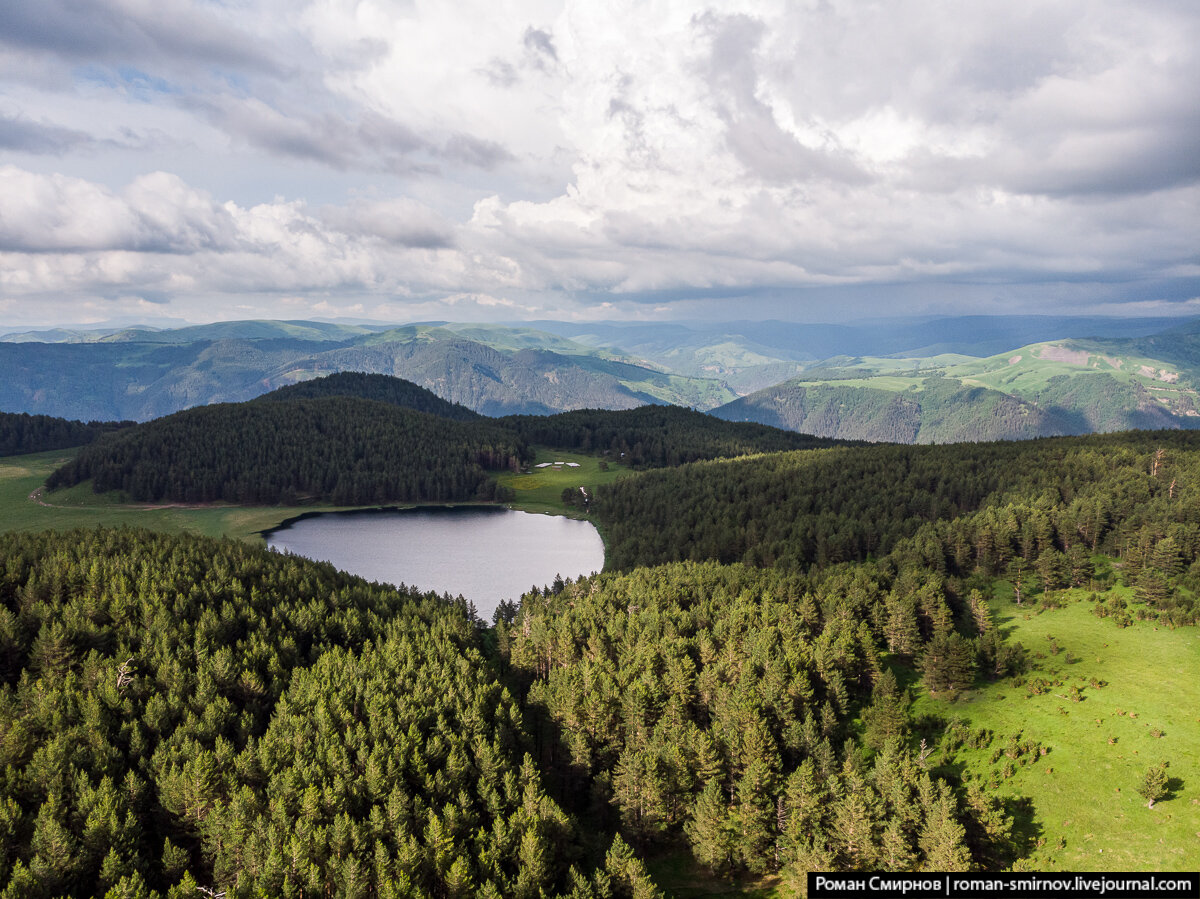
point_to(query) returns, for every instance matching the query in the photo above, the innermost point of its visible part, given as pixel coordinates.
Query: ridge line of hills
(834, 381)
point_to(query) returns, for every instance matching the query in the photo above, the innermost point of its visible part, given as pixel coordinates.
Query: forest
(340, 449)
(182, 716)
(657, 436)
(1034, 510)
(22, 433)
(380, 388)
(355, 439)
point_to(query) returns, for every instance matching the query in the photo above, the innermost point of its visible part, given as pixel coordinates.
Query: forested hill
(939, 411)
(354, 439)
(1039, 507)
(381, 388)
(184, 717)
(22, 433)
(657, 436)
(342, 449)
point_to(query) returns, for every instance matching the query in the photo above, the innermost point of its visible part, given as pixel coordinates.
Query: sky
(198, 160)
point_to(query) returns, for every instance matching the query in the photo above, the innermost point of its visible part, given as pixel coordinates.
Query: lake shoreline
(484, 552)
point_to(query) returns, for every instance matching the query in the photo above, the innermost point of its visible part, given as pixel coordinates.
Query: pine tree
(754, 817)
(948, 664)
(1154, 784)
(887, 715)
(981, 615)
(710, 830)
(941, 837)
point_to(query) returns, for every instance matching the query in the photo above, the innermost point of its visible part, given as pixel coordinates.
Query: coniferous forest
(342, 449)
(23, 433)
(359, 439)
(181, 714)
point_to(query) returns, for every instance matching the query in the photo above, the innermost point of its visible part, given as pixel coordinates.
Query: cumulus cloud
(553, 152)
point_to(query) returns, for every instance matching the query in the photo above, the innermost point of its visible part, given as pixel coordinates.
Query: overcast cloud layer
(200, 159)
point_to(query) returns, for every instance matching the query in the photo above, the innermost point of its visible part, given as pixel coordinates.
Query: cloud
(117, 30)
(24, 136)
(156, 213)
(399, 222)
(561, 153)
(540, 44)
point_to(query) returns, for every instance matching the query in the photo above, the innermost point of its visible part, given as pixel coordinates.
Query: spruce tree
(711, 830)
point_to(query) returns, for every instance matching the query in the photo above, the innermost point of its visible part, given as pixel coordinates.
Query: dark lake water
(484, 553)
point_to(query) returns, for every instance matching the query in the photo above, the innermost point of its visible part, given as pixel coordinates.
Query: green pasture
(1031, 373)
(21, 476)
(894, 383)
(540, 489)
(1086, 811)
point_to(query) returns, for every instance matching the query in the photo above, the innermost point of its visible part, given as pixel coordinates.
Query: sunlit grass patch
(1108, 704)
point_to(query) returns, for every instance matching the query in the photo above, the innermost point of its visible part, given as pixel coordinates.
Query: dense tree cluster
(715, 705)
(342, 449)
(381, 388)
(23, 433)
(1033, 511)
(178, 713)
(355, 439)
(656, 436)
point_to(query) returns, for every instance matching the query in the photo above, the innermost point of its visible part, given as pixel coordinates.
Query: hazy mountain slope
(140, 380)
(1052, 388)
(937, 412)
(752, 355)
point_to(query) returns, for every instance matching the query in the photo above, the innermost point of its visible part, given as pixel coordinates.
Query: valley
(803, 653)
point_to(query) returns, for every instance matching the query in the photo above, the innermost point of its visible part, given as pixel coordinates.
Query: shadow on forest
(1026, 830)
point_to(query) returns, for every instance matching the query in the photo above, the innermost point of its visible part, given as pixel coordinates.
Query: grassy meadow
(22, 476)
(540, 489)
(1132, 682)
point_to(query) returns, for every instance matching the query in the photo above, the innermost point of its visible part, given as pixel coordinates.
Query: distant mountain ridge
(845, 381)
(142, 375)
(1053, 388)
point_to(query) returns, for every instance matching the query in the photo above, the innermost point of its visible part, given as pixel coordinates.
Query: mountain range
(904, 380)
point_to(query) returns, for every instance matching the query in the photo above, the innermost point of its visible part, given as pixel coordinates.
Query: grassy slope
(1020, 372)
(79, 507)
(1085, 790)
(1035, 364)
(540, 491)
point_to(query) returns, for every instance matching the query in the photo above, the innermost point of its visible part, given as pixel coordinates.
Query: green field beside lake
(21, 476)
(539, 490)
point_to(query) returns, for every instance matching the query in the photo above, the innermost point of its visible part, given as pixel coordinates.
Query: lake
(486, 554)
